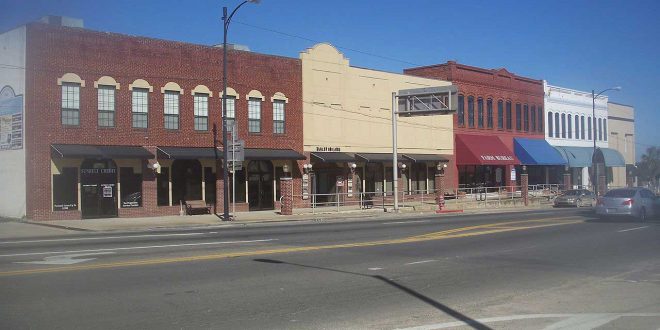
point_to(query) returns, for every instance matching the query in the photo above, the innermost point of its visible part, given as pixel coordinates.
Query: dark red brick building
(495, 109)
(119, 125)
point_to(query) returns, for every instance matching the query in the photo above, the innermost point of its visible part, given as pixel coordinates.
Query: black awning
(91, 151)
(188, 153)
(376, 158)
(273, 154)
(420, 158)
(333, 157)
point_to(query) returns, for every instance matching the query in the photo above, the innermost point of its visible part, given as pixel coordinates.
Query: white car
(636, 202)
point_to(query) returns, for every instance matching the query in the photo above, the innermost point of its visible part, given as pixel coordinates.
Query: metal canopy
(333, 157)
(92, 151)
(273, 154)
(376, 158)
(188, 153)
(421, 158)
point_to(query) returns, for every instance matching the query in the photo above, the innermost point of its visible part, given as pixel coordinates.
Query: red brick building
(497, 112)
(118, 125)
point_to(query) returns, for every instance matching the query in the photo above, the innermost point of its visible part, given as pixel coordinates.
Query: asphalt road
(558, 269)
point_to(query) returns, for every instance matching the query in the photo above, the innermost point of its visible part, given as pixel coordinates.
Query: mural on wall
(11, 119)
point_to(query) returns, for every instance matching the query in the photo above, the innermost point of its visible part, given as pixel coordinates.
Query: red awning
(483, 150)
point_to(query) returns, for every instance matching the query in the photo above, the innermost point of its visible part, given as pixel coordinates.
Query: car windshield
(572, 193)
(621, 193)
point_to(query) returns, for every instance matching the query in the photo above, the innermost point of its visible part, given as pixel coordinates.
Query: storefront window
(131, 187)
(209, 185)
(65, 189)
(240, 187)
(163, 189)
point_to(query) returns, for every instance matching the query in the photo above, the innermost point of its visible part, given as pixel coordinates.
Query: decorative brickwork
(286, 188)
(524, 182)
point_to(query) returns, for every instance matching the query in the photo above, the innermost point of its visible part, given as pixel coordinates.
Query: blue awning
(536, 152)
(613, 158)
(576, 156)
(581, 156)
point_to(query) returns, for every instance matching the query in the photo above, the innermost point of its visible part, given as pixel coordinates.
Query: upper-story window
(526, 117)
(563, 125)
(589, 128)
(500, 114)
(533, 118)
(460, 113)
(140, 105)
(570, 127)
(231, 111)
(140, 90)
(600, 129)
(480, 112)
(540, 126)
(471, 111)
(106, 106)
(584, 136)
(557, 125)
(489, 113)
(278, 116)
(550, 124)
(171, 93)
(605, 129)
(171, 110)
(71, 104)
(577, 127)
(254, 115)
(518, 117)
(201, 111)
(509, 116)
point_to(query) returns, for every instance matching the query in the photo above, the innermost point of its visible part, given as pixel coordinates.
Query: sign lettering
(328, 149)
(496, 157)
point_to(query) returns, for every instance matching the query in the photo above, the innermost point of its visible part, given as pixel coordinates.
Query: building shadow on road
(437, 305)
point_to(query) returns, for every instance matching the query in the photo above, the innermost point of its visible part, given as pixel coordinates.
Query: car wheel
(578, 203)
(642, 214)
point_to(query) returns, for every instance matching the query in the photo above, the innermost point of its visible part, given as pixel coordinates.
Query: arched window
(489, 113)
(550, 124)
(526, 117)
(605, 129)
(480, 112)
(533, 118)
(540, 120)
(570, 127)
(584, 136)
(471, 111)
(563, 125)
(509, 117)
(460, 113)
(589, 131)
(500, 114)
(557, 124)
(518, 117)
(577, 127)
(600, 129)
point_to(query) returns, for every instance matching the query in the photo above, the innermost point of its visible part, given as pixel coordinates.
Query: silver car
(575, 197)
(636, 202)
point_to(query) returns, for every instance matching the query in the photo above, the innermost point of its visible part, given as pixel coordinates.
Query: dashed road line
(420, 262)
(625, 230)
(100, 238)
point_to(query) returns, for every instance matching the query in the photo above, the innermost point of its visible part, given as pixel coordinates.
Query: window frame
(500, 114)
(136, 116)
(480, 112)
(106, 105)
(526, 118)
(201, 100)
(460, 112)
(70, 89)
(471, 111)
(532, 117)
(518, 117)
(283, 116)
(550, 125)
(509, 116)
(251, 112)
(176, 107)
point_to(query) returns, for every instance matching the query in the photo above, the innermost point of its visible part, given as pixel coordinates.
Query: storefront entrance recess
(98, 180)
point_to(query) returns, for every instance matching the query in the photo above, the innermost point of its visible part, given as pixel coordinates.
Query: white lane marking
(101, 238)
(527, 317)
(399, 222)
(621, 231)
(136, 248)
(67, 259)
(583, 322)
(420, 262)
(374, 268)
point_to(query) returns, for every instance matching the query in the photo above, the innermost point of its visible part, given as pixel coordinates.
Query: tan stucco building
(621, 120)
(347, 115)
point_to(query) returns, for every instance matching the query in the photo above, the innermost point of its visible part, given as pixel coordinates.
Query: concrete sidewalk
(16, 229)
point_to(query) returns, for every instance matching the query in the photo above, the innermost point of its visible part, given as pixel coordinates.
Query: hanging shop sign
(305, 186)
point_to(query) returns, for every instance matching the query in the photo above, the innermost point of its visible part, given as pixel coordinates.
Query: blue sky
(576, 44)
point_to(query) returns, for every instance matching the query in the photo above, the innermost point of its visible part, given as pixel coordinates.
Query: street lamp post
(225, 151)
(595, 131)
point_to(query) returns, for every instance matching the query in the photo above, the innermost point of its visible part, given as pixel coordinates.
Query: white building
(571, 128)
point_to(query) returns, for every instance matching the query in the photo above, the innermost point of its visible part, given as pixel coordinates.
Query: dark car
(576, 198)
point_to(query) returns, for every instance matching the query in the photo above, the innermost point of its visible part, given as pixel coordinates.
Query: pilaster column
(286, 189)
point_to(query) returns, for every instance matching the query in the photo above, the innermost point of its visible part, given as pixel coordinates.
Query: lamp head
(617, 88)
(256, 2)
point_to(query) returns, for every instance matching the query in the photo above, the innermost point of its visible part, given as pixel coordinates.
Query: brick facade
(53, 51)
(494, 84)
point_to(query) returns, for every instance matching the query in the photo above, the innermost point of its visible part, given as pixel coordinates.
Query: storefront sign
(129, 204)
(498, 157)
(340, 181)
(107, 190)
(98, 170)
(513, 174)
(350, 187)
(305, 186)
(65, 207)
(328, 149)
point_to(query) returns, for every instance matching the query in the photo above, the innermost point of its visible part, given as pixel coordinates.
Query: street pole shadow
(437, 305)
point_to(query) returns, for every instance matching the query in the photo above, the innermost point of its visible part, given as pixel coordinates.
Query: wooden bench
(199, 206)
